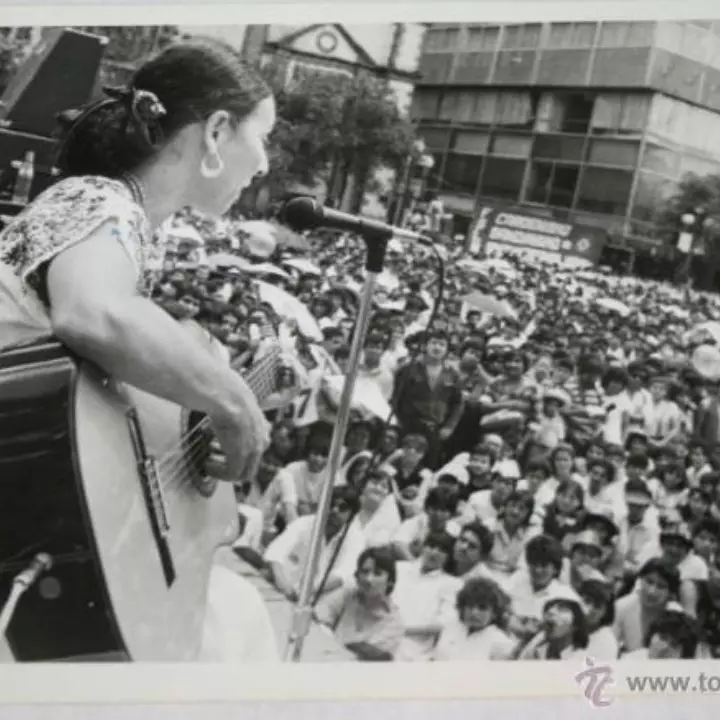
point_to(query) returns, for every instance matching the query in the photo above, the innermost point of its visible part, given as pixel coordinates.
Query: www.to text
(700, 683)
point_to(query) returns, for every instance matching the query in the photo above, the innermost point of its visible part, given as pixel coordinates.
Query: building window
(605, 191)
(441, 39)
(627, 34)
(572, 35)
(512, 145)
(461, 173)
(449, 105)
(614, 152)
(514, 109)
(552, 184)
(503, 178)
(483, 38)
(620, 113)
(521, 37)
(471, 143)
(485, 108)
(559, 147)
(435, 138)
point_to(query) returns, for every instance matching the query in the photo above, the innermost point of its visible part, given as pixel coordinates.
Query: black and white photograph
(345, 343)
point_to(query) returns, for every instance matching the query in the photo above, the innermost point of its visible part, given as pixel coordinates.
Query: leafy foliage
(132, 43)
(327, 119)
(15, 44)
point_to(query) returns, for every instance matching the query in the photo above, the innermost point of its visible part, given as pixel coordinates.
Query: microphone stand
(376, 240)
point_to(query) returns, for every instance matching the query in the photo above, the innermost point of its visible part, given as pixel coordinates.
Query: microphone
(41, 563)
(304, 213)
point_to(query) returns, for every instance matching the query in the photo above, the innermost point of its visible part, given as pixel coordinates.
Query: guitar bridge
(154, 499)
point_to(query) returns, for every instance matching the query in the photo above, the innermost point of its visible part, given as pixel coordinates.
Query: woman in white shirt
(597, 597)
(662, 416)
(477, 632)
(378, 518)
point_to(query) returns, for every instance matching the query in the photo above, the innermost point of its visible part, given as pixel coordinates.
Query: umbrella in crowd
(489, 304)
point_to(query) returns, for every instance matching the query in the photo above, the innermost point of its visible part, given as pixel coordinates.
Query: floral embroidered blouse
(62, 216)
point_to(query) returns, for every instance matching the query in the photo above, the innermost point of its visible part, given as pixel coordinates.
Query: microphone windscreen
(301, 214)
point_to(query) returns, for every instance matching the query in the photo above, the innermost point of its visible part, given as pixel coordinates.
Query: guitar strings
(170, 461)
(173, 464)
(179, 471)
(262, 365)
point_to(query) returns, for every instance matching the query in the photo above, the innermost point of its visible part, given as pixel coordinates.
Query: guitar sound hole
(197, 453)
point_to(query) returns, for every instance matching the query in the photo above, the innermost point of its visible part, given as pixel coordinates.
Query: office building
(585, 122)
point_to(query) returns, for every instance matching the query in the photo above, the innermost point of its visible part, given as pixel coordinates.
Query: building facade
(587, 122)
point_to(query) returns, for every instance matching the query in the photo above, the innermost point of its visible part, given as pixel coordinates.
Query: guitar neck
(262, 376)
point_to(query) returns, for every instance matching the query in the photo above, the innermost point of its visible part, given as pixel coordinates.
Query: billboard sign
(499, 230)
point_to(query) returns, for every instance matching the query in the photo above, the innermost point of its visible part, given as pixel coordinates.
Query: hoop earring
(212, 172)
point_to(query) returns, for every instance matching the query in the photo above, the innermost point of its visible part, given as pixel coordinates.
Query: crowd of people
(547, 485)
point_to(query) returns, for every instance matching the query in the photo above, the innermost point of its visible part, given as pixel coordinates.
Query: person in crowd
(511, 533)
(425, 594)
(377, 517)
(437, 516)
(477, 632)
(472, 551)
(564, 634)
(672, 636)
(286, 556)
(428, 397)
(658, 587)
(598, 599)
(363, 615)
(530, 587)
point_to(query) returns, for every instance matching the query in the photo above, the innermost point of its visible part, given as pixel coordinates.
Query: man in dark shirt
(428, 397)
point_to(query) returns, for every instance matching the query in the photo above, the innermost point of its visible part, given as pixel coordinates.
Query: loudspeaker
(60, 73)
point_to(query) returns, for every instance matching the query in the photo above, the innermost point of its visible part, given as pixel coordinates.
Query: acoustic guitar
(111, 483)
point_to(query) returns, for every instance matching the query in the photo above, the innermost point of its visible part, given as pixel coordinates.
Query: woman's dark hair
(580, 635)
(607, 466)
(384, 561)
(355, 464)
(561, 447)
(544, 550)
(441, 498)
(347, 497)
(483, 534)
(484, 593)
(658, 566)
(679, 629)
(191, 80)
(520, 497)
(483, 449)
(572, 486)
(440, 540)
(599, 593)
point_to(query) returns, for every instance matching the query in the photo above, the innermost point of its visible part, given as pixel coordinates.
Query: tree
(332, 124)
(693, 193)
(15, 44)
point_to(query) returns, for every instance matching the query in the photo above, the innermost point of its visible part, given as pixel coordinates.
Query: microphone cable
(386, 423)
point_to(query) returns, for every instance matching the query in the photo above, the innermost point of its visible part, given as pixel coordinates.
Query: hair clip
(143, 111)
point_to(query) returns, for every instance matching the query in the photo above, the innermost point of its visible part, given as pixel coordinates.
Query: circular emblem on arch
(326, 42)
